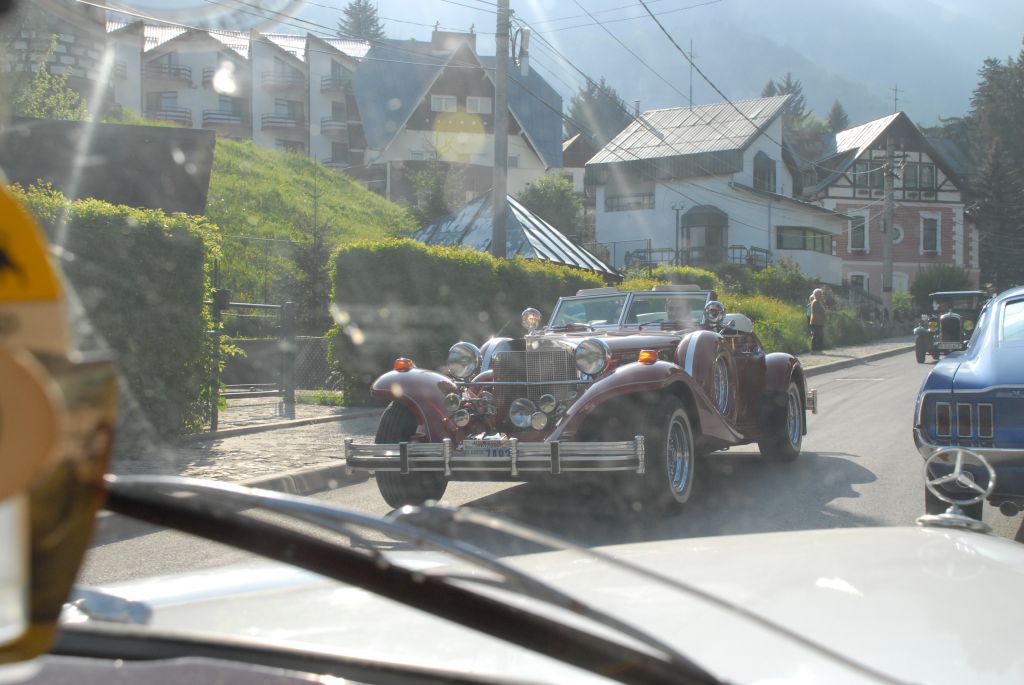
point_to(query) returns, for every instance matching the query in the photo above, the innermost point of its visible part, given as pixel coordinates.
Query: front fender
(422, 392)
(637, 378)
(781, 368)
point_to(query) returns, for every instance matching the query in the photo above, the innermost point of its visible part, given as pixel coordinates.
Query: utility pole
(500, 192)
(887, 224)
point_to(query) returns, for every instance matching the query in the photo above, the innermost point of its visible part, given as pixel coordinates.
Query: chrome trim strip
(531, 383)
(514, 465)
(641, 461)
(691, 351)
(446, 453)
(968, 391)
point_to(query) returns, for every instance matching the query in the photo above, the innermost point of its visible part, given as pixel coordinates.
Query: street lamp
(678, 207)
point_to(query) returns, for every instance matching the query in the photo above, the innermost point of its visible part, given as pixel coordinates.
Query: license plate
(487, 449)
(949, 345)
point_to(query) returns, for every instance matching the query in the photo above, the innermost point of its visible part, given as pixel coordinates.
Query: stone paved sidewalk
(810, 360)
(242, 457)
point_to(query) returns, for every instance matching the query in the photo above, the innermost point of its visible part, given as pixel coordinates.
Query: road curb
(308, 480)
(853, 361)
(276, 425)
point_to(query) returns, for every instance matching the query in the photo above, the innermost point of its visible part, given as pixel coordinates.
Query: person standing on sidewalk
(818, 316)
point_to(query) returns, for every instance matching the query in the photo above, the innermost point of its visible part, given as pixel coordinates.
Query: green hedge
(400, 298)
(141, 277)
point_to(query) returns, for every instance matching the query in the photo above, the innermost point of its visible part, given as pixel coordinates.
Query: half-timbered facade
(929, 224)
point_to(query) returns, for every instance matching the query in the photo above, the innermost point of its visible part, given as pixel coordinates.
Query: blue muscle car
(975, 399)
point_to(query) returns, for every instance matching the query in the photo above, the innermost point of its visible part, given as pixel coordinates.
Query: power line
(621, 19)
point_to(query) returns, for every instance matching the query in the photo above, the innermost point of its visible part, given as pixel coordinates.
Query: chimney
(636, 108)
(447, 41)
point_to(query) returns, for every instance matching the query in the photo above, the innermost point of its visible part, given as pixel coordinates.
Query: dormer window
(764, 173)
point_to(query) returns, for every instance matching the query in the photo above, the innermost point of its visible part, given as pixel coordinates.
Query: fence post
(288, 358)
(221, 297)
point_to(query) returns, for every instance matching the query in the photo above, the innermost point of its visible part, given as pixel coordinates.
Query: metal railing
(332, 126)
(703, 255)
(333, 83)
(283, 79)
(208, 74)
(215, 117)
(337, 164)
(179, 115)
(173, 72)
(281, 121)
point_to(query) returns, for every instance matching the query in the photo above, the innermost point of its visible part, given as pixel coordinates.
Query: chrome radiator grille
(949, 329)
(532, 366)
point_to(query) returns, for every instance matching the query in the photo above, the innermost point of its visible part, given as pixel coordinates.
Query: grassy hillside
(264, 203)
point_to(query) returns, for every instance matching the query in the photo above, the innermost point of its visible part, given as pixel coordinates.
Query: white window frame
(865, 275)
(513, 162)
(867, 233)
(417, 155)
(900, 276)
(478, 105)
(440, 103)
(937, 216)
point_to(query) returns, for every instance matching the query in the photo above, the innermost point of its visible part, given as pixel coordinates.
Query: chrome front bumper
(523, 457)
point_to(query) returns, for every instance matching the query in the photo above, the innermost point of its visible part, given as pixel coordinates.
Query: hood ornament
(954, 517)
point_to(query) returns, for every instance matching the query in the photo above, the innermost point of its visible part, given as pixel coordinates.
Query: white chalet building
(709, 185)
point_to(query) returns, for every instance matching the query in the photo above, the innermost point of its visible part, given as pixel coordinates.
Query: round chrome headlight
(547, 403)
(463, 360)
(593, 356)
(531, 319)
(521, 413)
(461, 418)
(933, 326)
(538, 421)
(968, 325)
(714, 312)
(452, 402)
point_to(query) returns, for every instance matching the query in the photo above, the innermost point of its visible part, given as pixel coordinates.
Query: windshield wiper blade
(211, 511)
(571, 325)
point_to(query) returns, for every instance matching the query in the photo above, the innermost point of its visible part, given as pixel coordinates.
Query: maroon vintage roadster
(639, 383)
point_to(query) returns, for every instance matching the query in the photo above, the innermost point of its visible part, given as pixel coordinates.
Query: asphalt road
(858, 468)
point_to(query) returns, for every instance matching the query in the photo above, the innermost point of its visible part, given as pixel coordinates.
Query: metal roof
(682, 131)
(158, 34)
(528, 235)
(861, 137)
(395, 76)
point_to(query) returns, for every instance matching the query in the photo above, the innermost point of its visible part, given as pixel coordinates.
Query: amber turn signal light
(647, 356)
(403, 364)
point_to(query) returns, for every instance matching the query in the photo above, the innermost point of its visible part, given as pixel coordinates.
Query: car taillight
(943, 419)
(964, 420)
(986, 427)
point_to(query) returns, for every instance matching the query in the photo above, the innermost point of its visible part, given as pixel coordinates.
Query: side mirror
(57, 416)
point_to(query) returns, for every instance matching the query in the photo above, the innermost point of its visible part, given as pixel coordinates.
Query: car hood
(921, 605)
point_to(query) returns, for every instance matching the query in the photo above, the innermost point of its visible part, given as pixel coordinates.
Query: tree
(770, 90)
(796, 108)
(599, 111)
(936, 278)
(838, 120)
(48, 96)
(553, 199)
(361, 21)
(437, 188)
(998, 214)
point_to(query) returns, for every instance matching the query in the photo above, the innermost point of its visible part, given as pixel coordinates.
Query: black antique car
(950, 324)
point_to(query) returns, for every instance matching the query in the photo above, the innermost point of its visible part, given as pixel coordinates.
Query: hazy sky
(857, 48)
